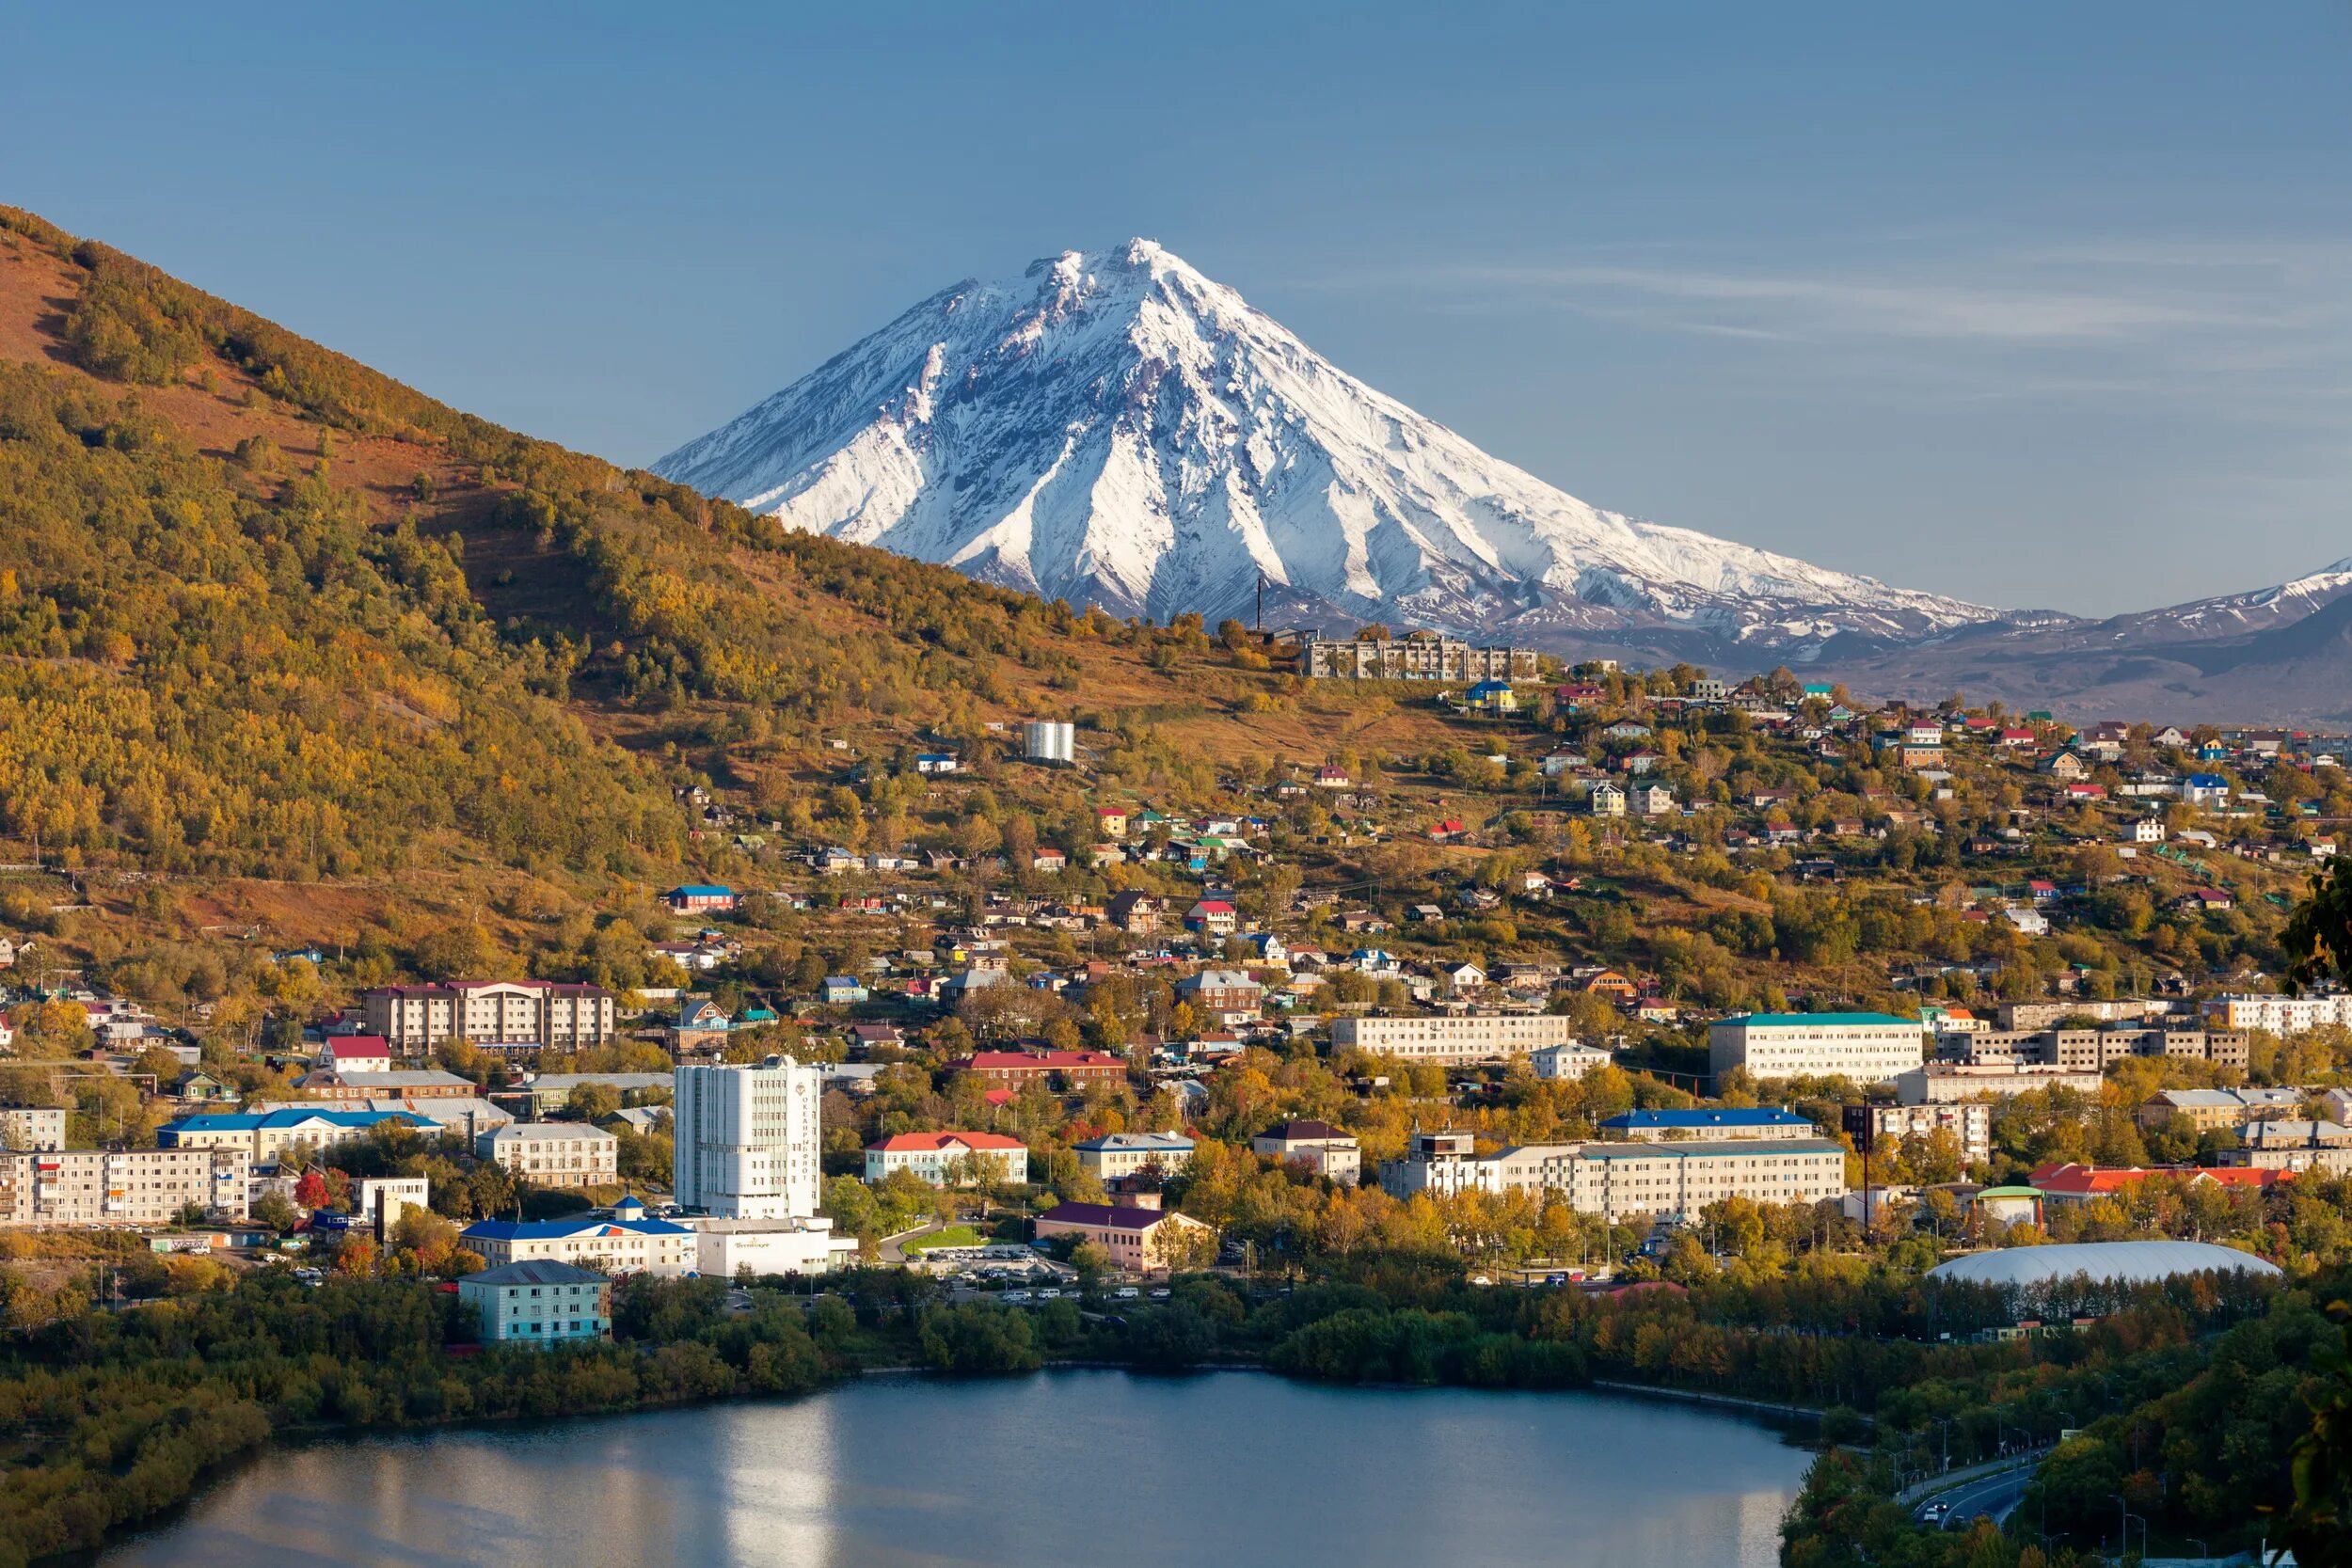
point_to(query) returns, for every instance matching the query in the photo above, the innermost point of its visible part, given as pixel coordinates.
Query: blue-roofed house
(262, 1136)
(844, 991)
(1493, 697)
(1706, 1125)
(2206, 789)
(611, 1244)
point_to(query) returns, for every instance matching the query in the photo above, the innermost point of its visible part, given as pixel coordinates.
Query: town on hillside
(1633, 965)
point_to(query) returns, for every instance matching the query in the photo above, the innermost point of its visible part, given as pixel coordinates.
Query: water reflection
(1071, 1469)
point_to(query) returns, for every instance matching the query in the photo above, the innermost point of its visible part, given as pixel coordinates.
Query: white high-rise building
(746, 1141)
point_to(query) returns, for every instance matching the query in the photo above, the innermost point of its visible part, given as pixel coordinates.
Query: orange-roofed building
(2067, 1182)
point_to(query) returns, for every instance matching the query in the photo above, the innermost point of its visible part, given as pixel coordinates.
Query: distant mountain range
(1113, 427)
(2280, 656)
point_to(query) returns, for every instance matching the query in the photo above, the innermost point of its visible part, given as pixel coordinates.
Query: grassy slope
(697, 639)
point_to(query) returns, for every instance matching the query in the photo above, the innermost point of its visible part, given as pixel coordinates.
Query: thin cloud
(1800, 306)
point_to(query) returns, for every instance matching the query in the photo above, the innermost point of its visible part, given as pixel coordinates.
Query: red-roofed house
(1135, 1238)
(1213, 917)
(357, 1053)
(948, 1159)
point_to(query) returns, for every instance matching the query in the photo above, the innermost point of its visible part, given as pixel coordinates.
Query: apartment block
(1970, 1121)
(32, 1127)
(1868, 1048)
(1452, 1037)
(2279, 1015)
(92, 1187)
(554, 1153)
(500, 1015)
(1419, 656)
(1629, 1180)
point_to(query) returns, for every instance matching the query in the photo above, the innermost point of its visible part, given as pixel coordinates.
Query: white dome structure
(2109, 1262)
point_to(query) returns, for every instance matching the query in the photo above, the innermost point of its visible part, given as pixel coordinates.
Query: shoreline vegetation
(111, 1419)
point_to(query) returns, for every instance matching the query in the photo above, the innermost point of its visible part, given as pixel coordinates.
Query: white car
(1126, 1292)
(1051, 1292)
(1016, 1295)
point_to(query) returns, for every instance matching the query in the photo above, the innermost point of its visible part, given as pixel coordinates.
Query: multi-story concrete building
(264, 1136)
(31, 1127)
(1136, 1239)
(1969, 1121)
(1943, 1082)
(616, 1244)
(539, 1303)
(554, 1153)
(1452, 1038)
(948, 1159)
(380, 1200)
(1325, 1149)
(1868, 1048)
(1629, 1181)
(2092, 1049)
(96, 1187)
(2025, 1017)
(498, 1015)
(2206, 1110)
(1418, 655)
(2293, 1145)
(1570, 1061)
(2280, 1015)
(1121, 1154)
(343, 1083)
(746, 1139)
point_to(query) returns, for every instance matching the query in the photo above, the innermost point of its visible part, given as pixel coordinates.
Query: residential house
(1212, 917)
(1137, 913)
(1220, 992)
(2207, 791)
(700, 898)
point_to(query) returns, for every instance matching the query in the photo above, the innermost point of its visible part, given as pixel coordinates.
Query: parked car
(1126, 1292)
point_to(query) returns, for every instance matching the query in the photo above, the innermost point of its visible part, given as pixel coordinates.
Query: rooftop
(1632, 1121)
(534, 1270)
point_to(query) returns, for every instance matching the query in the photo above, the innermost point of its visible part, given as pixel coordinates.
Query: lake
(1068, 1469)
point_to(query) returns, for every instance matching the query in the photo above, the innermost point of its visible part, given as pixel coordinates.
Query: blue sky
(2034, 304)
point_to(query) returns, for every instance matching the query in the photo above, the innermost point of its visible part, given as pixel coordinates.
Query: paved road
(891, 1250)
(1995, 1496)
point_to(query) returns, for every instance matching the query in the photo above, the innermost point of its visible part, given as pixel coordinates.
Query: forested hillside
(266, 612)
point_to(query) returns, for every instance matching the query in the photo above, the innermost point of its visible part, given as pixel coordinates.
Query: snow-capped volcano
(1113, 427)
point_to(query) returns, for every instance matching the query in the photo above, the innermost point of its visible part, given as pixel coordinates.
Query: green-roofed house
(1868, 1048)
